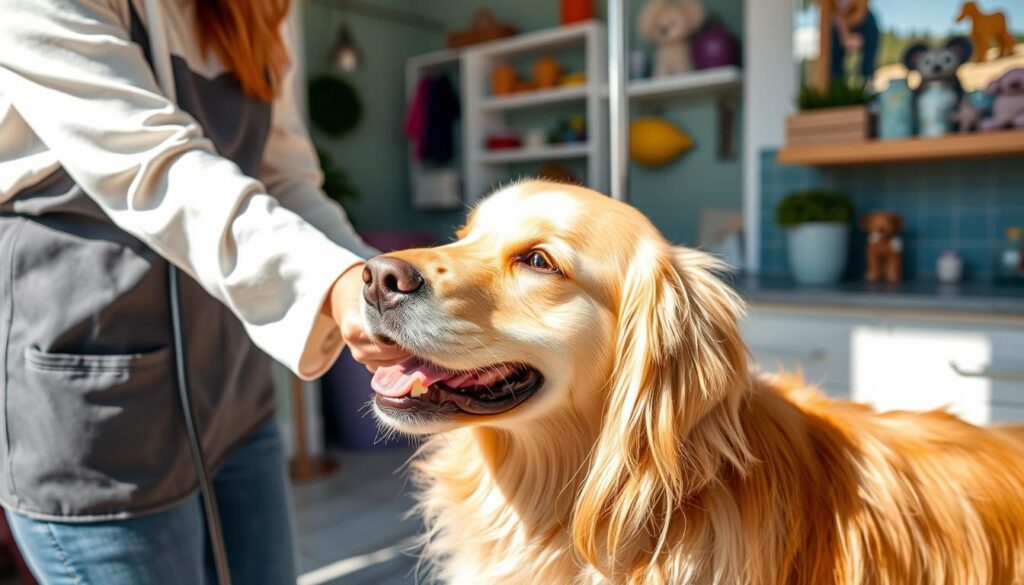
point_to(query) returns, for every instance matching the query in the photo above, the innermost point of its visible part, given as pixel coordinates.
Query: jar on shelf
(896, 119)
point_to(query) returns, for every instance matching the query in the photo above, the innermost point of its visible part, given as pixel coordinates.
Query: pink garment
(416, 118)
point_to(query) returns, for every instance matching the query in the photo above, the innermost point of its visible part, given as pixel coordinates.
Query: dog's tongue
(397, 381)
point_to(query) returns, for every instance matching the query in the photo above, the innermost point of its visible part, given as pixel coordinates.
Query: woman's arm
(71, 71)
(292, 174)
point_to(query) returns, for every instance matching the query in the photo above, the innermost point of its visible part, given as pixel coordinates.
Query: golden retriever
(595, 419)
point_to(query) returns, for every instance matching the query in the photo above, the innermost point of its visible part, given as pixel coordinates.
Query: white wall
(770, 84)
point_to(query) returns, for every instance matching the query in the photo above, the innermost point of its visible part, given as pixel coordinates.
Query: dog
(593, 418)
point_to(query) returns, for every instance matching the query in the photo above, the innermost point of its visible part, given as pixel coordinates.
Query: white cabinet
(975, 369)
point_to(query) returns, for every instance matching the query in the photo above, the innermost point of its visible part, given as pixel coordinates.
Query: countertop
(969, 297)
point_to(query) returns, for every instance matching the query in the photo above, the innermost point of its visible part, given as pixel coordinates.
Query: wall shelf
(546, 153)
(534, 98)
(953, 146)
(704, 81)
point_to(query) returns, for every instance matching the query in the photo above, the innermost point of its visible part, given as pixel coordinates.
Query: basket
(484, 27)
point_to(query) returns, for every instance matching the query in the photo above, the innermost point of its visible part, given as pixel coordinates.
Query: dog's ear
(913, 55)
(670, 421)
(649, 19)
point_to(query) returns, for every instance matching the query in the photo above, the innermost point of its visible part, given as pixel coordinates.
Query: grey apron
(92, 428)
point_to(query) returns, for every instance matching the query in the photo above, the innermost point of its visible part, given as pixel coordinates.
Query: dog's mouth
(418, 386)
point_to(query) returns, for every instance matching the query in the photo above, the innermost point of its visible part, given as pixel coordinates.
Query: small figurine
(669, 25)
(967, 116)
(885, 246)
(1008, 107)
(854, 31)
(940, 90)
(987, 29)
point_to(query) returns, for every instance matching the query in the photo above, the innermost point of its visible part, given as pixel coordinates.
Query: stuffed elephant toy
(1008, 107)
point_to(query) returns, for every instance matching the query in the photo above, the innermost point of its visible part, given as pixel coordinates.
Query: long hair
(246, 36)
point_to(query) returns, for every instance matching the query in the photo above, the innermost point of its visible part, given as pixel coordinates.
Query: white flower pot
(818, 251)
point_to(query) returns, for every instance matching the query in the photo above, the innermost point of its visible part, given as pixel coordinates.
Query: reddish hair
(246, 35)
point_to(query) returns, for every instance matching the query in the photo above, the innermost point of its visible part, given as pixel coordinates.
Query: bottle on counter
(1010, 264)
(950, 267)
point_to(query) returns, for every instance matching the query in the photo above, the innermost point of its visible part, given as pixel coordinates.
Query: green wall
(375, 155)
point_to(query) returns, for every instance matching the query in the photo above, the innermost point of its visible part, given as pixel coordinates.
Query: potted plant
(839, 115)
(817, 226)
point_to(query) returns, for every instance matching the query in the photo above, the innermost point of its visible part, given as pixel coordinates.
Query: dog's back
(894, 497)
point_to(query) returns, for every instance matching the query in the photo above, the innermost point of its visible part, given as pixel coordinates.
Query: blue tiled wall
(962, 205)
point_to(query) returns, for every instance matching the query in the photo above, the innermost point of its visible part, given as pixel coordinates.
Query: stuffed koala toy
(939, 64)
(1008, 108)
(669, 26)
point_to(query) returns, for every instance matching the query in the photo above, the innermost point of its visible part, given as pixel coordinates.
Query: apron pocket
(95, 434)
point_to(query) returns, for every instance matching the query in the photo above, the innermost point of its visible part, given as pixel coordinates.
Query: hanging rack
(395, 15)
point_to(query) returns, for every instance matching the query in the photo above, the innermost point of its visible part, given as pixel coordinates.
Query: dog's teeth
(418, 389)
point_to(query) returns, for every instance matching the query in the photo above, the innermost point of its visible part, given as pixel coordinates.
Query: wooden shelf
(552, 152)
(953, 146)
(535, 98)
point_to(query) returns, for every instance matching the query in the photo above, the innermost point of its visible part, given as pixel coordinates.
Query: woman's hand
(344, 306)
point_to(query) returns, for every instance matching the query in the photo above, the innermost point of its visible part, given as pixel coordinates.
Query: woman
(105, 182)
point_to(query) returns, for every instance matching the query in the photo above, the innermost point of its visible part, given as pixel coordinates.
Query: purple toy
(715, 46)
(1008, 107)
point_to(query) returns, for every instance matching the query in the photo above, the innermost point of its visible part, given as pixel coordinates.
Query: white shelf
(704, 81)
(441, 58)
(545, 40)
(534, 98)
(552, 152)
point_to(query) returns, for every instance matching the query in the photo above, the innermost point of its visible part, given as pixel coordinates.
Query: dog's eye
(539, 261)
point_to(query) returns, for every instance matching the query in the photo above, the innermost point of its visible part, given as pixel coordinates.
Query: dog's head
(553, 298)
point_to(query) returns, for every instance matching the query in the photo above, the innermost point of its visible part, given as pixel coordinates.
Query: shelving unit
(483, 112)
(695, 83)
(424, 180)
(521, 155)
(534, 99)
(953, 146)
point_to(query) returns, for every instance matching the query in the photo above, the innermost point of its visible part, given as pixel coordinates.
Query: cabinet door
(816, 345)
(974, 372)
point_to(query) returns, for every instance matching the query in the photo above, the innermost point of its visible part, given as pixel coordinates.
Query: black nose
(389, 281)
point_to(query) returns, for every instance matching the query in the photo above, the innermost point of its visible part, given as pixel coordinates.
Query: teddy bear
(669, 25)
(885, 246)
(1008, 107)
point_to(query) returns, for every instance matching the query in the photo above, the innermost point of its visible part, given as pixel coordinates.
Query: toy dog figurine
(669, 26)
(987, 29)
(885, 246)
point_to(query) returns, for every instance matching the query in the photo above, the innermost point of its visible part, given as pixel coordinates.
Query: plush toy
(1008, 107)
(938, 65)
(940, 90)
(885, 246)
(987, 29)
(669, 25)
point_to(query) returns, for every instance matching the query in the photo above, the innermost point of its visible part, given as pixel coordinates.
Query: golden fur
(653, 455)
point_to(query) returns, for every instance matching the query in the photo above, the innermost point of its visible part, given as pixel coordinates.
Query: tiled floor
(355, 518)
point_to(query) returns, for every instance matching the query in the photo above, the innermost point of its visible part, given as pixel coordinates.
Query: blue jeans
(869, 53)
(171, 547)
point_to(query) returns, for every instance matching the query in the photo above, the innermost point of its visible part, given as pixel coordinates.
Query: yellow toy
(655, 141)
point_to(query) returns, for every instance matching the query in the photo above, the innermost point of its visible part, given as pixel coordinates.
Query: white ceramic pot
(818, 251)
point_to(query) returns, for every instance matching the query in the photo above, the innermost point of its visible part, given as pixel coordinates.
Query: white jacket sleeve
(73, 74)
